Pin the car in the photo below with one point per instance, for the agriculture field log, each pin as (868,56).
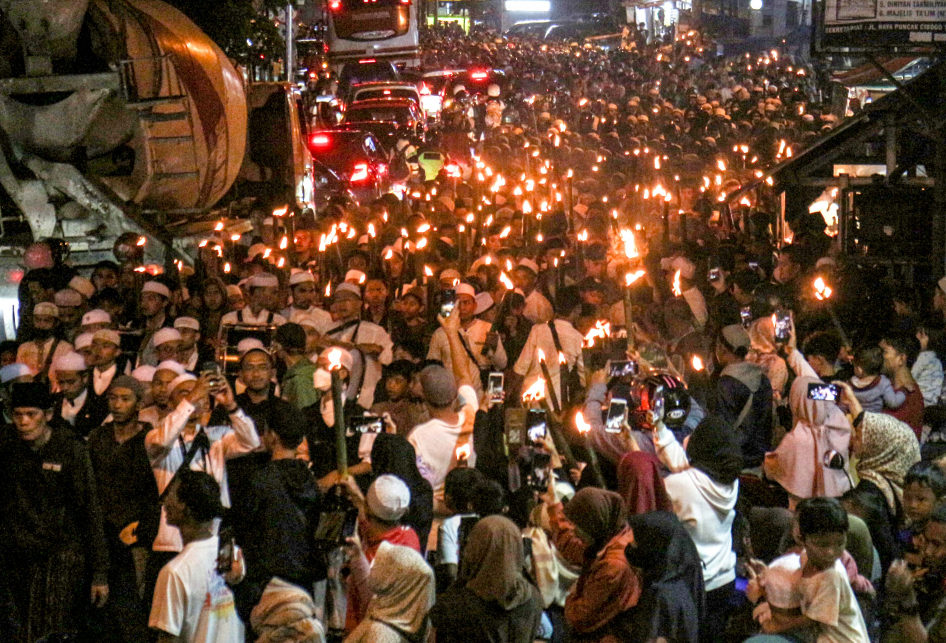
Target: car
(390,119)
(365,71)
(356,158)
(384,89)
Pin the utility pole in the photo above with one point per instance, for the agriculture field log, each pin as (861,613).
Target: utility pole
(290,63)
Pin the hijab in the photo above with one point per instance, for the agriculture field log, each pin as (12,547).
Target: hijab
(886,451)
(599,514)
(798,462)
(492,564)
(402,584)
(672,603)
(640,484)
(714,449)
(392,454)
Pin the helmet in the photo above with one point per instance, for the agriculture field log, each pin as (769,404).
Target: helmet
(661,395)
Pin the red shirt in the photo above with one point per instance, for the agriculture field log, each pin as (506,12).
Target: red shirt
(911,411)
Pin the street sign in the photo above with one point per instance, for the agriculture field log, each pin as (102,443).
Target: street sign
(879,25)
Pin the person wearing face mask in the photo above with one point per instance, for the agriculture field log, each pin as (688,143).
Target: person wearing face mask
(183,440)
(321,418)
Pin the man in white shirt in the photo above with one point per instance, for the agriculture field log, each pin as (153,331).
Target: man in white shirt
(449,427)
(474,335)
(540,338)
(538,309)
(107,360)
(191,353)
(164,374)
(167,345)
(185,430)
(305,295)
(358,336)
(262,299)
(192,601)
(690,293)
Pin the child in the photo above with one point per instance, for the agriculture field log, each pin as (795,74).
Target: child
(923,487)
(399,405)
(825,598)
(873,390)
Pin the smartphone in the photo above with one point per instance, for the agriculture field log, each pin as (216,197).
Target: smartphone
(226,550)
(617,414)
(448,301)
(494,388)
(715,274)
(753,265)
(745,314)
(367,424)
(213,373)
(824,392)
(536,426)
(337,526)
(623,368)
(783,326)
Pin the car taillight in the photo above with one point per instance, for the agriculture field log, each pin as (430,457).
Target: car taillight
(360,173)
(319,140)
(424,89)
(367,61)
(479,75)
(335,5)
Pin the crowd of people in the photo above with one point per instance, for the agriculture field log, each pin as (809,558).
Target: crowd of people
(588,389)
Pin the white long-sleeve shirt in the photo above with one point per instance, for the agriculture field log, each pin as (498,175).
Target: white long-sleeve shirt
(366,332)
(541,337)
(167,445)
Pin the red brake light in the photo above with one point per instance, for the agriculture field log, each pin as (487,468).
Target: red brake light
(405,1)
(360,173)
(335,5)
(387,92)
(479,75)
(319,140)
(366,61)
(424,89)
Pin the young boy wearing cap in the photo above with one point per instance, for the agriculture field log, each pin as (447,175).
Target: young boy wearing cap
(155,299)
(193,351)
(475,334)
(47,345)
(75,405)
(262,299)
(54,537)
(379,520)
(538,309)
(128,494)
(107,359)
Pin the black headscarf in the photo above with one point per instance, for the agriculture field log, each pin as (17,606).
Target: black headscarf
(392,454)
(714,449)
(672,603)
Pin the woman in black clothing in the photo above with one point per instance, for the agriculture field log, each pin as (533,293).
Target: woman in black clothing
(394,455)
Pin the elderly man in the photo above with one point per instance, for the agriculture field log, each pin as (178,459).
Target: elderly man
(56,559)
(262,300)
(46,346)
(370,344)
(475,335)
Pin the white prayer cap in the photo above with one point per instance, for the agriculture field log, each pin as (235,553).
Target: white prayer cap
(71,361)
(157,288)
(166,335)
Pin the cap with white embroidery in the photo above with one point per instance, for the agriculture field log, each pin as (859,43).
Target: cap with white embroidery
(97,316)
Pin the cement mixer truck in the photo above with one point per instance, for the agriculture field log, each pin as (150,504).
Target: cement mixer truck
(115,116)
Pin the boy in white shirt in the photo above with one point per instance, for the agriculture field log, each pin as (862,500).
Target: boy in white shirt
(826,599)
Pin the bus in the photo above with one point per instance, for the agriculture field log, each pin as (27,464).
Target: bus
(382,30)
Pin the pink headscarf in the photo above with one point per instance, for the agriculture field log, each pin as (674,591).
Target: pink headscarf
(640,484)
(798,462)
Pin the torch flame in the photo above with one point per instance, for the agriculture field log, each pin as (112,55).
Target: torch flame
(677,290)
(422,228)
(334,359)
(389,254)
(630,244)
(506,281)
(428,271)
(697,363)
(583,235)
(535,392)
(822,290)
(284,243)
(464,452)
(561,358)
(721,164)
(328,289)
(540,354)
(505,232)
(371,230)
(602,329)
(631,277)
(422,243)
(580,424)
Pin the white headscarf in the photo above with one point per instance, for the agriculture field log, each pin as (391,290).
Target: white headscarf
(403,587)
